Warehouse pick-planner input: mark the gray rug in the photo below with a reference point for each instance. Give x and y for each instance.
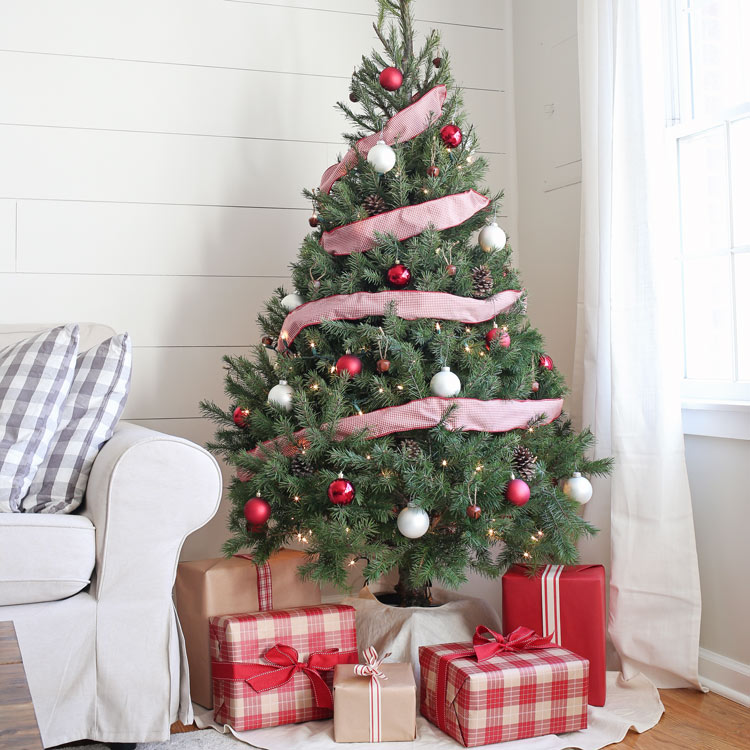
(205, 739)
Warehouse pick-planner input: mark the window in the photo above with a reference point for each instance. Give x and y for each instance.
(710, 123)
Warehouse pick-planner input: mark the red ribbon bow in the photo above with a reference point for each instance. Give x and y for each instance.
(283, 665)
(487, 642)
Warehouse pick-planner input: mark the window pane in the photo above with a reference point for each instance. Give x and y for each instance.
(740, 139)
(742, 291)
(704, 188)
(708, 318)
(720, 54)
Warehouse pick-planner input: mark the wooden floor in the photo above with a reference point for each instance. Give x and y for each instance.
(692, 721)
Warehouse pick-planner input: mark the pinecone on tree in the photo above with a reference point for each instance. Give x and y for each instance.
(482, 282)
(300, 467)
(412, 448)
(374, 205)
(524, 463)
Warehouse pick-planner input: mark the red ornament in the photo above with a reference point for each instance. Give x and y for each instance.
(341, 491)
(267, 341)
(517, 492)
(349, 363)
(382, 365)
(391, 79)
(451, 269)
(451, 135)
(313, 221)
(546, 362)
(437, 62)
(399, 275)
(433, 171)
(353, 97)
(535, 387)
(500, 334)
(257, 511)
(473, 511)
(240, 416)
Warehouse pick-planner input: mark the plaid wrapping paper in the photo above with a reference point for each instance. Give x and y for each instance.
(410, 305)
(404, 222)
(510, 696)
(264, 580)
(469, 414)
(403, 126)
(246, 638)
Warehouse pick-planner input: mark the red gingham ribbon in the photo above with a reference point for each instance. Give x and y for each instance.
(283, 664)
(407, 221)
(373, 671)
(403, 126)
(410, 305)
(486, 644)
(469, 414)
(265, 584)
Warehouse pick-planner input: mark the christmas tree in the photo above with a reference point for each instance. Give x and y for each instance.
(401, 411)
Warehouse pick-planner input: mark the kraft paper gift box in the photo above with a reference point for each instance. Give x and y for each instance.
(479, 696)
(374, 702)
(568, 603)
(224, 586)
(272, 668)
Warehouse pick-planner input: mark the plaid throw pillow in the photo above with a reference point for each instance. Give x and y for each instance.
(35, 377)
(96, 399)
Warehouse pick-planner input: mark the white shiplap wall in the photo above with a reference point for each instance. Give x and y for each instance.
(152, 154)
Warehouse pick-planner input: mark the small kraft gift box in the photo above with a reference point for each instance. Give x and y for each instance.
(374, 702)
(503, 688)
(272, 668)
(224, 586)
(568, 604)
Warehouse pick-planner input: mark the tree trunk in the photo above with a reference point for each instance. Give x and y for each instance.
(408, 595)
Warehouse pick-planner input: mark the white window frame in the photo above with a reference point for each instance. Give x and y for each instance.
(714, 408)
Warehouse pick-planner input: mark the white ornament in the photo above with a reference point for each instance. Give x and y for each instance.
(382, 157)
(281, 395)
(578, 488)
(445, 383)
(291, 301)
(492, 238)
(413, 522)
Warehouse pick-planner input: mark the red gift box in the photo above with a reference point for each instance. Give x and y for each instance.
(272, 668)
(568, 603)
(503, 688)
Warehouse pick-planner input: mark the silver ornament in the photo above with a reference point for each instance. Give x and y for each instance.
(445, 383)
(281, 395)
(578, 488)
(291, 301)
(382, 157)
(413, 522)
(492, 238)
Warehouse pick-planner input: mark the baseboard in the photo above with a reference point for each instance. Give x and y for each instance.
(725, 676)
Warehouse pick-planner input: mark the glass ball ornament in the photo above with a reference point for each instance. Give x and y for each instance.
(545, 361)
(391, 79)
(291, 301)
(433, 171)
(445, 383)
(399, 275)
(500, 334)
(382, 157)
(451, 135)
(383, 365)
(341, 491)
(281, 395)
(349, 363)
(517, 492)
(257, 511)
(240, 416)
(492, 238)
(578, 488)
(413, 522)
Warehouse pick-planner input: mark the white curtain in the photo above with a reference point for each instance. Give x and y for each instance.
(628, 358)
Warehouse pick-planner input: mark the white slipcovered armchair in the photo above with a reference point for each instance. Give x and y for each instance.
(105, 660)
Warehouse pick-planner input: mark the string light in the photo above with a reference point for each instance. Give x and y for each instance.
(348, 529)
(368, 457)
(479, 467)
(490, 532)
(467, 348)
(481, 353)
(437, 327)
(400, 387)
(333, 369)
(352, 562)
(314, 387)
(468, 329)
(444, 462)
(533, 538)
(540, 533)
(296, 498)
(526, 555)
(425, 191)
(312, 344)
(381, 390)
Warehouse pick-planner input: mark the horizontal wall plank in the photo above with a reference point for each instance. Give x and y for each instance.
(156, 310)
(116, 95)
(114, 166)
(129, 238)
(7, 235)
(170, 382)
(225, 34)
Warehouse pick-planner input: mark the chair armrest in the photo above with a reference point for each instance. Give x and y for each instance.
(147, 491)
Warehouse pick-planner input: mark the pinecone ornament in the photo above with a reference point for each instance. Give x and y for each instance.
(524, 463)
(300, 467)
(412, 448)
(374, 205)
(482, 282)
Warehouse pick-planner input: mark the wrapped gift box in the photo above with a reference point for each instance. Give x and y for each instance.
(272, 668)
(568, 603)
(222, 586)
(377, 705)
(479, 699)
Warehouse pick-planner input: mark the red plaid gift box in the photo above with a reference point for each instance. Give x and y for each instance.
(272, 668)
(568, 604)
(503, 688)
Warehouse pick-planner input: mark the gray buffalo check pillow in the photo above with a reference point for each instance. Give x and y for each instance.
(35, 377)
(89, 415)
